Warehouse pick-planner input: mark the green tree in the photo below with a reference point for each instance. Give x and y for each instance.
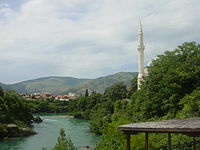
(190, 104)
(171, 77)
(64, 143)
(122, 110)
(116, 92)
(13, 109)
(3, 130)
(94, 99)
(3, 111)
(133, 88)
(86, 93)
(171, 90)
(16, 108)
(1, 92)
(112, 138)
(43, 106)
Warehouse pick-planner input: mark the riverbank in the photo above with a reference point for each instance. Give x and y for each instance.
(13, 130)
(65, 116)
(47, 132)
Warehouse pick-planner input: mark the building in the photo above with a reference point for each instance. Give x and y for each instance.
(46, 95)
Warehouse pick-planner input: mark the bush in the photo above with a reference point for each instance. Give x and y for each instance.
(3, 130)
(64, 143)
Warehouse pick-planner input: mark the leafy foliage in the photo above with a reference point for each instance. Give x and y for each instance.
(13, 109)
(116, 91)
(172, 90)
(47, 106)
(171, 77)
(112, 139)
(86, 93)
(1, 92)
(98, 107)
(190, 104)
(64, 143)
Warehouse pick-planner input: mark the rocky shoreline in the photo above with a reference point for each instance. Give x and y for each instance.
(13, 130)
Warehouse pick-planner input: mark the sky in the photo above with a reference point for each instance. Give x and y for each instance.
(89, 38)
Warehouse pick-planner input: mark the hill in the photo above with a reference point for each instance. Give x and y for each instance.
(100, 84)
(53, 84)
(4, 86)
(64, 85)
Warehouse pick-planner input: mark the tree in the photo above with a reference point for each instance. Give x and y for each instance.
(64, 143)
(171, 90)
(190, 104)
(13, 109)
(116, 92)
(112, 138)
(133, 88)
(93, 100)
(86, 93)
(3, 111)
(171, 77)
(122, 110)
(1, 92)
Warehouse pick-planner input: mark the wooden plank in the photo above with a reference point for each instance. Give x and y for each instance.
(128, 144)
(169, 141)
(192, 134)
(194, 143)
(129, 132)
(146, 141)
(185, 126)
(188, 132)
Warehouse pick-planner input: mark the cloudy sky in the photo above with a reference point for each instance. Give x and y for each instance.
(88, 38)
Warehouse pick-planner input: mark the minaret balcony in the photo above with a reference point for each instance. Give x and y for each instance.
(141, 48)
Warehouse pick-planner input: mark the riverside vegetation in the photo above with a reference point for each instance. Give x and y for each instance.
(63, 143)
(172, 90)
(15, 115)
(47, 106)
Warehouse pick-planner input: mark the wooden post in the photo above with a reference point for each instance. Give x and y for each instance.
(194, 143)
(146, 141)
(128, 144)
(169, 141)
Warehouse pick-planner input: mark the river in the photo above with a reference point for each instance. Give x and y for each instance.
(76, 129)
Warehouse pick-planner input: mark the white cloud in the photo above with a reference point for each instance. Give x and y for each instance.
(89, 38)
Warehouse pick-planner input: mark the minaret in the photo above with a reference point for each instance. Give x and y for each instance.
(140, 49)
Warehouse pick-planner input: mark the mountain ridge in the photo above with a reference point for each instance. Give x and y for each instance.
(64, 85)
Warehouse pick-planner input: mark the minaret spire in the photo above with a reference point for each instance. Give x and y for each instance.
(140, 49)
(140, 27)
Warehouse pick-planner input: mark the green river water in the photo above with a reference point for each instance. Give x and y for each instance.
(76, 129)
